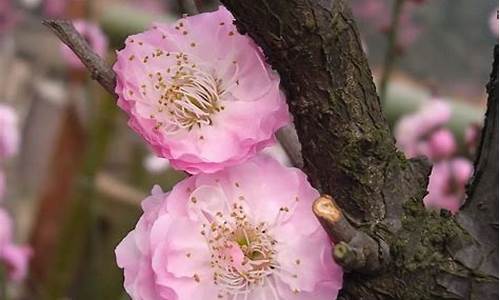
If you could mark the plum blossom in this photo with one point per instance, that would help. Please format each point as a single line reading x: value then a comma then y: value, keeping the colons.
x: 472, y: 137
x: 378, y: 14
x: 15, y: 258
x: 8, y: 15
x: 447, y: 184
x: 9, y: 132
x: 200, y: 93
x: 54, y: 8
x: 423, y: 132
x: 246, y: 232
x: 94, y: 36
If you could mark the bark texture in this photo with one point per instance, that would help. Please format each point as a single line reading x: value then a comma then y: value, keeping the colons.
x: 349, y: 153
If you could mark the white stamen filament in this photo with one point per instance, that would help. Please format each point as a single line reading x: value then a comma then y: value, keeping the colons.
x: 190, y: 97
x: 258, y: 247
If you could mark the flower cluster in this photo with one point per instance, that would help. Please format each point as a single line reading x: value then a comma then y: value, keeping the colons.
x: 424, y: 133
x: 242, y: 226
x: 13, y: 258
x: 378, y: 14
x: 200, y: 93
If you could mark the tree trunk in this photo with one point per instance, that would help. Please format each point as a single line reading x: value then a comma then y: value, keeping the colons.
x: 349, y: 153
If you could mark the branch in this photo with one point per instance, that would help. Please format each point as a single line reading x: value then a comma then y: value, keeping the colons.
x: 354, y: 249
x: 480, y: 213
x: 347, y: 147
x: 287, y: 136
x: 97, y: 67
x: 119, y: 191
x: 391, y: 53
x: 103, y: 73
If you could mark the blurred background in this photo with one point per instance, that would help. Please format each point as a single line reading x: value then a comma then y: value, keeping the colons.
x: 77, y: 173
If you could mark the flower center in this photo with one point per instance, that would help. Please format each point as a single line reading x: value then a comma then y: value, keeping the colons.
x: 189, y: 95
x: 243, y: 254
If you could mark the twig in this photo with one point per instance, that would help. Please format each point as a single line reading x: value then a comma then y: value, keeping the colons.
x: 189, y: 7
x: 116, y: 189
x: 98, y: 68
x: 287, y: 136
x: 354, y: 249
x: 390, y: 54
x: 107, y: 78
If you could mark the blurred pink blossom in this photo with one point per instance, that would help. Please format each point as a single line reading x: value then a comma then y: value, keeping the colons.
x: 200, y: 93
x: 14, y: 258
x: 472, y: 136
x: 447, y: 184
x: 54, y: 8
x: 422, y: 132
x: 9, y: 132
x: 378, y: 14
x: 408, y: 29
x: 94, y: 36
x: 440, y: 144
x: 8, y: 15
x: 494, y: 22
x: 247, y: 232
x: 374, y: 11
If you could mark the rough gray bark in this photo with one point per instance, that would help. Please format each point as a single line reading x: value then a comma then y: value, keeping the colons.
x: 349, y: 153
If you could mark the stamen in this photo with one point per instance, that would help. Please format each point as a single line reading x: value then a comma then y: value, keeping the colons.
x: 233, y: 274
x: 192, y: 95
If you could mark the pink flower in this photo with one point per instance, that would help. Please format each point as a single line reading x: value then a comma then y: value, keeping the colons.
x: 422, y: 133
x: 54, y: 8
x: 374, y: 11
x: 14, y: 257
x: 8, y: 15
x: 94, y: 36
x: 408, y: 29
x: 246, y: 232
x: 200, y: 93
x: 472, y: 137
x: 447, y: 184
x: 378, y: 14
x: 494, y: 22
x: 440, y: 144
x: 9, y: 132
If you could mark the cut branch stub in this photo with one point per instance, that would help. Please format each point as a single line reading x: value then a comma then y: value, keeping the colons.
x: 354, y: 249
